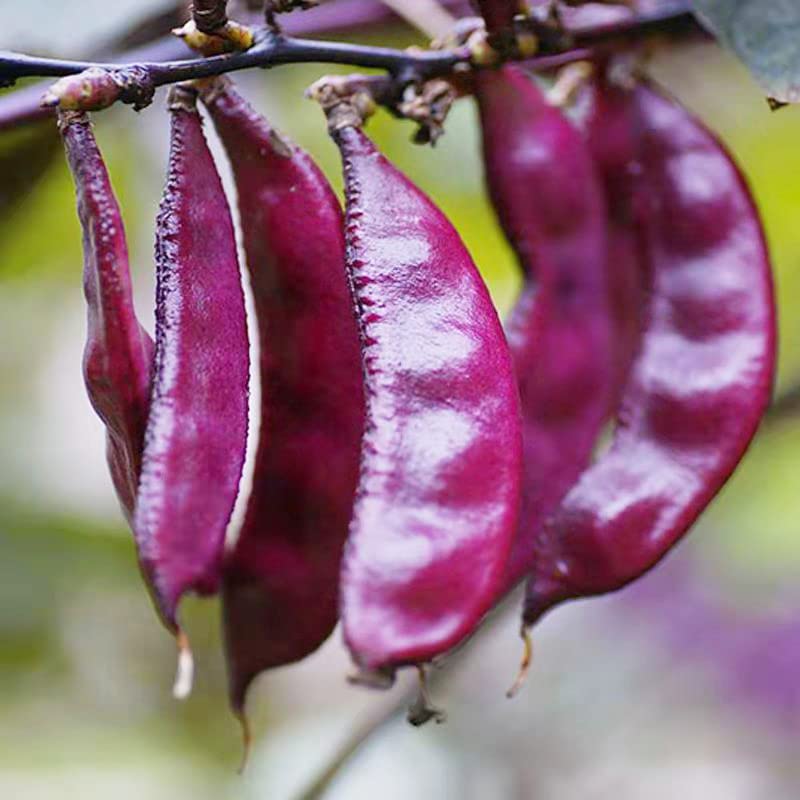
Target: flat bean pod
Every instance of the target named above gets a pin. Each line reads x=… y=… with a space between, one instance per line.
x=281 y=581
x=118 y=356
x=440 y=472
x=701 y=380
x=549 y=201
x=197 y=429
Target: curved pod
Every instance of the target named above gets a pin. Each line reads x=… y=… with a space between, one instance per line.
x=197 y=429
x=439 y=486
x=548 y=198
x=701 y=381
x=118 y=356
x=281 y=581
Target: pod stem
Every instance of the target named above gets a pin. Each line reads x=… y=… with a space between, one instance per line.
x=346 y=104
x=525 y=663
x=422 y=709
x=184 y=674
x=66 y=118
x=182 y=97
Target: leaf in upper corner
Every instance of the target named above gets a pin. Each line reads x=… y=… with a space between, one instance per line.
x=765 y=34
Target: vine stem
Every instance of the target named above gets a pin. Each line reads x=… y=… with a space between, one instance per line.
x=272 y=49
x=350 y=748
x=363 y=733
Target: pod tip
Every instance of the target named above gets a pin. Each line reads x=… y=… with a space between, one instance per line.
x=184 y=675
x=347 y=103
x=525 y=664
x=377 y=678
x=247 y=738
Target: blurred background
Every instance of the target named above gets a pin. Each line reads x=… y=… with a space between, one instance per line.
x=685 y=685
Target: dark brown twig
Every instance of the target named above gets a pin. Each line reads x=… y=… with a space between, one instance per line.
x=273 y=49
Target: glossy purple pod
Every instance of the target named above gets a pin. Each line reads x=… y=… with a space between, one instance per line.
x=703 y=376
x=609 y=125
x=197 y=430
x=118 y=356
x=281 y=581
x=548 y=198
x=438 y=494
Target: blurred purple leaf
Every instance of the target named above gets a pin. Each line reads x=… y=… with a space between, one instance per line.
x=754 y=655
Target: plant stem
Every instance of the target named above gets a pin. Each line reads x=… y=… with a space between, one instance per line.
x=348 y=750
x=352 y=747
x=273 y=49
x=138 y=45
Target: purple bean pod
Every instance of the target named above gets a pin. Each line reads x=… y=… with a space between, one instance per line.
x=438 y=494
x=701 y=381
x=281 y=581
x=549 y=201
x=196 y=433
x=610 y=130
x=118 y=357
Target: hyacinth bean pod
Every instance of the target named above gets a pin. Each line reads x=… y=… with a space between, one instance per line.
x=118 y=356
x=609 y=126
x=281 y=581
x=438 y=494
x=196 y=433
x=701 y=380
x=549 y=201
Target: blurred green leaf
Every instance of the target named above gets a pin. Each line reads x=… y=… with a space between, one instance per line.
x=39 y=230
x=765 y=35
x=25 y=156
